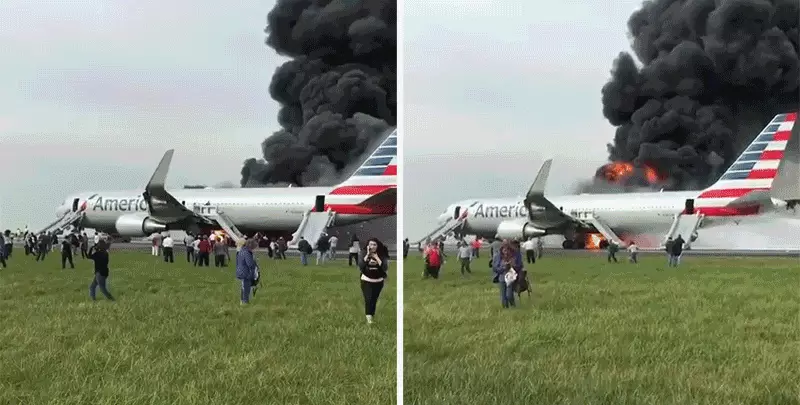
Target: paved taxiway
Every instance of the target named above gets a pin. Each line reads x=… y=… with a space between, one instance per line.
x=699 y=252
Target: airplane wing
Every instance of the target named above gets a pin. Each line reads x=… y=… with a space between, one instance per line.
x=161 y=204
x=540 y=209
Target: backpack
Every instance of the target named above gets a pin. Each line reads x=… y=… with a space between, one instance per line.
x=434 y=258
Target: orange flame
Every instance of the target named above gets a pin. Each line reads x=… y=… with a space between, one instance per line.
x=616 y=171
x=593 y=240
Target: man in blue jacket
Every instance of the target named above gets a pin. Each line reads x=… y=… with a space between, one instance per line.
x=247 y=268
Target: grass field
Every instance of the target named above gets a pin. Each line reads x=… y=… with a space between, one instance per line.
x=714 y=331
x=178 y=335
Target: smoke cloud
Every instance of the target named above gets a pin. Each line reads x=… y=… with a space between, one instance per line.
x=712 y=74
x=336 y=93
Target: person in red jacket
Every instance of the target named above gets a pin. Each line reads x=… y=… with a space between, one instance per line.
x=204 y=251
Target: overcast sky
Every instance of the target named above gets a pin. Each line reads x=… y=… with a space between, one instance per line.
x=510 y=77
x=94 y=92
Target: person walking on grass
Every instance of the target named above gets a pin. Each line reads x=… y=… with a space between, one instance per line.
x=247 y=269
x=373 y=266
x=465 y=257
x=433 y=261
x=66 y=254
x=507 y=264
x=99 y=254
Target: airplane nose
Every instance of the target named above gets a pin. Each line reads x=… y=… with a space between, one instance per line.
x=443 y=218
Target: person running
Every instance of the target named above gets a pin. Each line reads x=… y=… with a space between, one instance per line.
x=373 y=266
x=247 y=268
x=99 y=254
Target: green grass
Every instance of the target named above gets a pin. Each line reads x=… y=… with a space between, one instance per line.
x=178 y=335
x=714 y=331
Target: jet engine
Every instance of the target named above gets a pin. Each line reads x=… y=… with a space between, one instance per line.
x=138 y=225
x=519 y=230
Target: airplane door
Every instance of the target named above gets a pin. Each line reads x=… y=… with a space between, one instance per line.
x=319 y=203
x=75 y=203
x=457 y=212
x=689 y=206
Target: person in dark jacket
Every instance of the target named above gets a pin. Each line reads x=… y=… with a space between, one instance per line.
x=99 y=254
x=506 y=258
x=44 y=246
x=373 y=266
x=247 y=268
x=3 y=251
x=66 y=254
x=9 y=243
x=677 y=251
x=322 y=249
x=305 y=249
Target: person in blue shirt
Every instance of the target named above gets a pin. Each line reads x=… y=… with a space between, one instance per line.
x=247 y=268
x=506 y=258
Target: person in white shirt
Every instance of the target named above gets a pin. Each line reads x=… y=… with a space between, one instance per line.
x=168 y=244
x=464 y=256
x=529 y=246
x=196 y=250
x=332 y=248
x=634 y=252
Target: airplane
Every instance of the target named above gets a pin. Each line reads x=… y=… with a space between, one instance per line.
x=586 y=219
x=370 y=192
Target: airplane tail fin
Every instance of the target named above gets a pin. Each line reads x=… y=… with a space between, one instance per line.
x=749 y=179
x=376 y=174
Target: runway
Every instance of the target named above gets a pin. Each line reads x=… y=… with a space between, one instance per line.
x=698 y=252
x=180 y=249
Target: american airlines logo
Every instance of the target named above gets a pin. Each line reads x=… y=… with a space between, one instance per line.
x=118 y=204
x=517 y=210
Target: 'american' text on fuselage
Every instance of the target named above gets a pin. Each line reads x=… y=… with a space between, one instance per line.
x=119 y=204
x=517 y=210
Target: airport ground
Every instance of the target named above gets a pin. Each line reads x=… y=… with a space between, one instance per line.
x=717 y=330
x=178 y=335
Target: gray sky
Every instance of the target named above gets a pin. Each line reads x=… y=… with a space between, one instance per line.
x=510 y=77
x=95 y=92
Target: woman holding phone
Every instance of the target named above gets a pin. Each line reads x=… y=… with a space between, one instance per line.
x=373 y=268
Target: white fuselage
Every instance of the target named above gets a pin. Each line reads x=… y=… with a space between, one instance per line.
x=632 y=213
x=251 y=209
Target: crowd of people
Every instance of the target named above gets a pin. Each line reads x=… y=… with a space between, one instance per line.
x=373 y=265
x=507 y=259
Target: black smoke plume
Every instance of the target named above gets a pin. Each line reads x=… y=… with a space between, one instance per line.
x=336 y=93
x=712 y=74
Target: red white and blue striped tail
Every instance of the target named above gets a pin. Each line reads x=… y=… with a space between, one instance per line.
x=756 y=168
x=376 y=175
